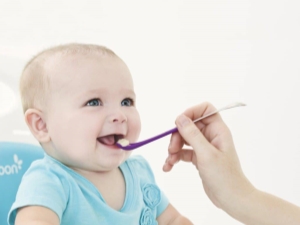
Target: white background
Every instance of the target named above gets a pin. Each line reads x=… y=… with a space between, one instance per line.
x=181 y=53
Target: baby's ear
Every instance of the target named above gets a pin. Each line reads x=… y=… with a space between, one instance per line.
x=37 y=125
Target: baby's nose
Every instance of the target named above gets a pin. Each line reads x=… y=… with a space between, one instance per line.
x=118 y=117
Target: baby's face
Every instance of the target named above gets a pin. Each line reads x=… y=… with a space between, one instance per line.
x=92 y=104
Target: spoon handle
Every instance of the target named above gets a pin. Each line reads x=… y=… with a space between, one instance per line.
x=146 y=141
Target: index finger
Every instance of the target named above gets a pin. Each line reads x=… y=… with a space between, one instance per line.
x=176 y=143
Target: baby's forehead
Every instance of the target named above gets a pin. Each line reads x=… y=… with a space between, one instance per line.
x=57 y=67
x=63 y=70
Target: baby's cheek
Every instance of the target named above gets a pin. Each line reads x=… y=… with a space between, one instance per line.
x=135 y=129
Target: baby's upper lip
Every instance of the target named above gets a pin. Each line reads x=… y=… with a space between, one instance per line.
x=119 y=135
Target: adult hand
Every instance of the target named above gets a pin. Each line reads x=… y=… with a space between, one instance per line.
x=215 y=158
x=213 y=153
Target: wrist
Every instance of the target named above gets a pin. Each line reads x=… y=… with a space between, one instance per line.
x=265 y=209
x=240 y=199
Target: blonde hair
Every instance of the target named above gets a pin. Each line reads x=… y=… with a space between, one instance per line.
x=34 y=81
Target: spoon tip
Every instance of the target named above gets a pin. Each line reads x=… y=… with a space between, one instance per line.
x=123 y=142
x=237 y=104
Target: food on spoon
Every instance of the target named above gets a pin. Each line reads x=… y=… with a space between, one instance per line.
x=124 y=142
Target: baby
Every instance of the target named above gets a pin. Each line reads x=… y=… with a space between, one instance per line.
x=78 y=102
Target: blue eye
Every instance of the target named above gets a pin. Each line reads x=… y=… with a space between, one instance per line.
x=94 y=102
x=127 y=102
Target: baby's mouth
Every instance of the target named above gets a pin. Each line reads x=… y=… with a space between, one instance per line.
x=111 y=139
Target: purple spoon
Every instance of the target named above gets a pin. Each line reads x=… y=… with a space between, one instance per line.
x=125 y=145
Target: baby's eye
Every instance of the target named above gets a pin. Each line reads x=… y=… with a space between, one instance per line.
x=94 y=102
x=127 y=102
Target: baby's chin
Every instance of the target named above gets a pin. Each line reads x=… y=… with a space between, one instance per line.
x=111 y=162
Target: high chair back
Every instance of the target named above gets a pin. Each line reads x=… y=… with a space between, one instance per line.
x=15 y=158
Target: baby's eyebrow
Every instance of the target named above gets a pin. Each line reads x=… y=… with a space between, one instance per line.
x=84 y=93
x=129 y=92
x=126 y=92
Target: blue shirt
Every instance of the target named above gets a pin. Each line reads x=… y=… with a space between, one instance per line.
x=76 y=200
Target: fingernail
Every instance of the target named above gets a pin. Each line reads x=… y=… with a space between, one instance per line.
x=183 y=120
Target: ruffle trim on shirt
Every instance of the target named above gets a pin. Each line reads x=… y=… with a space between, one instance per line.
x=152 y=195
x=147 y=217
x=152 y=198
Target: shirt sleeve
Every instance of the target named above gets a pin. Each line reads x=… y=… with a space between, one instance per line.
x=152 y=193
x=40 y=186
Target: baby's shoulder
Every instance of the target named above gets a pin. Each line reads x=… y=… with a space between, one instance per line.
x=45 y=165
x=46 y=170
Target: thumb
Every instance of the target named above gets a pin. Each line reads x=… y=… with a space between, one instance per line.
x=191 y=134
